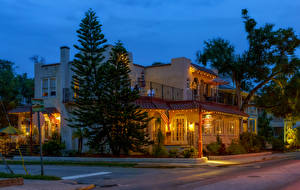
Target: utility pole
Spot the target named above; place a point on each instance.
(38, 106)
(40, 141)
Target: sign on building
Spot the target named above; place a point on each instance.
(37, 105)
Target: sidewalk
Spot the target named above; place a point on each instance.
(169, 162)
(219, 163)
(50, 185)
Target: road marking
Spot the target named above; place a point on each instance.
(85, 175)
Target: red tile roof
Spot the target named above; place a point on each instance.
(155, 103)
(27, 109)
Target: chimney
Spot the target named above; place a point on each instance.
(64, 54)
(64, 68)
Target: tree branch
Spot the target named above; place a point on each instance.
(252, 92)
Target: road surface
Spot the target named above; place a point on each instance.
(274, 174)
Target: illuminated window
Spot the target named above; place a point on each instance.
(231, 127)
(76, 88)
(218, 127)
(45, 87)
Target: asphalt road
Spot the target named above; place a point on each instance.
(276, 174)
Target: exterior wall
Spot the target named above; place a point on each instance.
(225, 133)
(192, 128)
(174, 74)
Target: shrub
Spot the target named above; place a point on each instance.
(213, 148)
(235, 148)
(251, 142)
(53, 148)
(277, 144)
(190, 153)
(159, 149)
(174, 153)
(216, 148)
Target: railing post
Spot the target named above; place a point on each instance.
(151, 89)
(162, 91)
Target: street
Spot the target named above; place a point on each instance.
(274, 174)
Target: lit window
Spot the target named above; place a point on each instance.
(45, 87)
(231, 128)
(218, 127)
(53, 87)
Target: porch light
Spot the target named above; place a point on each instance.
(191, 127)
(57, 118)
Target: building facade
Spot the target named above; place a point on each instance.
(182, 97)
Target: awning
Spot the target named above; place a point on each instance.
(27, 109)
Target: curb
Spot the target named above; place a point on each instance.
(92, 186)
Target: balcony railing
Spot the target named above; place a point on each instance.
(165, 92)
(161, 91)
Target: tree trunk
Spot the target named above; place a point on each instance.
(238, 93)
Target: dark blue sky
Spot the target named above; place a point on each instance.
(153, 30)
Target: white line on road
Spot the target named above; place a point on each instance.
(85, 175)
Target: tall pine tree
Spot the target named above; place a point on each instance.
(87, 78)
(126, 122)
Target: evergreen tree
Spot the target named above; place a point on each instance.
(87, 79)
(126, 122)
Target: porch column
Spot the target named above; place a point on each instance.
(200, 143)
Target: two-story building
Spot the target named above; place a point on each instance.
(182, 97)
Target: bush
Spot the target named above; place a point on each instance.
(53, 148)
(251, 142)
(235, 148)
(159, 149)
(213, 149)
(277, 144)
(216, 148)
(174, 153)
(190, 153)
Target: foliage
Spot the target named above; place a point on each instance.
(252, 142)
(281, 97)
(13, 89)
(159, 149)
(105, 102)
(277, 144)
(190, 152)
(235, 148)
(216, 148)
(53, 147)
(87, 78)
(79, 134)
(126, 122)
(264, 128)
(271, 53)
(174, 152)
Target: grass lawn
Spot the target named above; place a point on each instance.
(7, 175)
(70, 163)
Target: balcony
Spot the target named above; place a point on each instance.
(161, 91)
